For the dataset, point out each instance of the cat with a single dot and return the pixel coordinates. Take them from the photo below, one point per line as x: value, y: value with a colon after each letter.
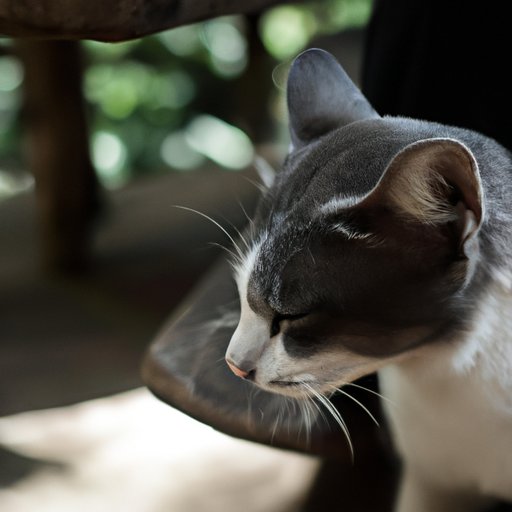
x: 385, y: 245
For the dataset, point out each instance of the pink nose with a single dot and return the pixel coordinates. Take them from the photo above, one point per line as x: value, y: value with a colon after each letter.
x: 237, y: 371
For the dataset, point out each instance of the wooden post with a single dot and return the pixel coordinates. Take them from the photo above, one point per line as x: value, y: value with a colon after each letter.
x: 58, y: 152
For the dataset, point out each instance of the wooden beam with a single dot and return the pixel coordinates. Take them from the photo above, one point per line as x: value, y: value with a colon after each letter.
x: 112, y: 20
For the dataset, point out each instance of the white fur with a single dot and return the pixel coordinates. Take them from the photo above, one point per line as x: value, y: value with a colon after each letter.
x: 453, y: 424
x: 251, y: 334
x: 244, y: 269
x: 339, y: 203
x: 349, y: 233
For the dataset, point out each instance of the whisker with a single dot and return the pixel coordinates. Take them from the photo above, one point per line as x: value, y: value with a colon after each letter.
x: 276, y: 422
x: 259, y: 186
x: 348, y: 395
x: 287, y: 414
x: 232, y: 240
x: 335, y: 414
x: 305, y: 410
x: 389, y: 401
x: 297, y: 404
x: 241, y: 236
x: 312, y: 403
x: 246, y: 215
x: 310, y: 419
x: 226, y: 249
x: 235, y: 263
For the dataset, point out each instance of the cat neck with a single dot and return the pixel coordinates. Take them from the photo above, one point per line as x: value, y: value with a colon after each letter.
x: 481, y: 356
x: 450, y: 407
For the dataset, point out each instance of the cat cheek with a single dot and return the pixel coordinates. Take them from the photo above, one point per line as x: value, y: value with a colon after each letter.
x: 275, y: 363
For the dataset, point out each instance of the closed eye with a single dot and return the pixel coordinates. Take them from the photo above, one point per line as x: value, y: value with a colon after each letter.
x: 278, y: 319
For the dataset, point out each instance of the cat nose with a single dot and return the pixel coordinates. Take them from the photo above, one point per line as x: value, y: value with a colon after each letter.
x: 244, y: 373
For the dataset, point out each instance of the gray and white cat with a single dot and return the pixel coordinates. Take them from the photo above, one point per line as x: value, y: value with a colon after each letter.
x: 385, y: 244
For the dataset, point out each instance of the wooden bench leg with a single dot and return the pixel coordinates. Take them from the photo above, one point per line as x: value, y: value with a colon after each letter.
x: 58, y: 151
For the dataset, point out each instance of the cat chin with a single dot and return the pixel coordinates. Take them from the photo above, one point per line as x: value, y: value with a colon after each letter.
x: 298, y: 390
x: 307, y: 388
x: 291, y: 388
x: 302, y: 390
x: 296, y: 386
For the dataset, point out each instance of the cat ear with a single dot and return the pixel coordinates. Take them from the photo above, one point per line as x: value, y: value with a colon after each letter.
x: 322, y: 97
x: 435, y: 181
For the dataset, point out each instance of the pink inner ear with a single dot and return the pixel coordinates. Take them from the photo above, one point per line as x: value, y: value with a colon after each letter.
x: 470, y: 224
x: 469, y: 230
x: 460, y: 168
x: 417, y: 183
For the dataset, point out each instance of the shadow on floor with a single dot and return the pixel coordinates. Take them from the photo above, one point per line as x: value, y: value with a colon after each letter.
x: 63, y: 340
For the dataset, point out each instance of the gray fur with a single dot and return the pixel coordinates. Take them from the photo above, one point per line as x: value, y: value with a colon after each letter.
x: 314, y: 108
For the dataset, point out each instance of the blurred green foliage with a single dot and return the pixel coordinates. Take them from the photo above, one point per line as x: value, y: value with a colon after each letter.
x: 159, y: 103
x: 287, y: 29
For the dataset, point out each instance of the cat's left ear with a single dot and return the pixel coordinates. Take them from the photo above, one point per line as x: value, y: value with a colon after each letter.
x: 435, y: 181
x: 321, y: 97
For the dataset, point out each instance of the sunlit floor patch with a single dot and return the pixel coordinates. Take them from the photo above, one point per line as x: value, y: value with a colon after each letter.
x: 133, y: 453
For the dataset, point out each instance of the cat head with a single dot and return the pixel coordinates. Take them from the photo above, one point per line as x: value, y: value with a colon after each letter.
x: 364, y: 245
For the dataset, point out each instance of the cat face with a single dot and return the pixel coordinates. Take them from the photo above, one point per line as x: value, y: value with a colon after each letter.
x: 363, y: 246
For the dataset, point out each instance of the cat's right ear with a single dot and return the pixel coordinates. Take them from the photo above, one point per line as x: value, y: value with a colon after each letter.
x: 435, y: 182
x: 321, y: 97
